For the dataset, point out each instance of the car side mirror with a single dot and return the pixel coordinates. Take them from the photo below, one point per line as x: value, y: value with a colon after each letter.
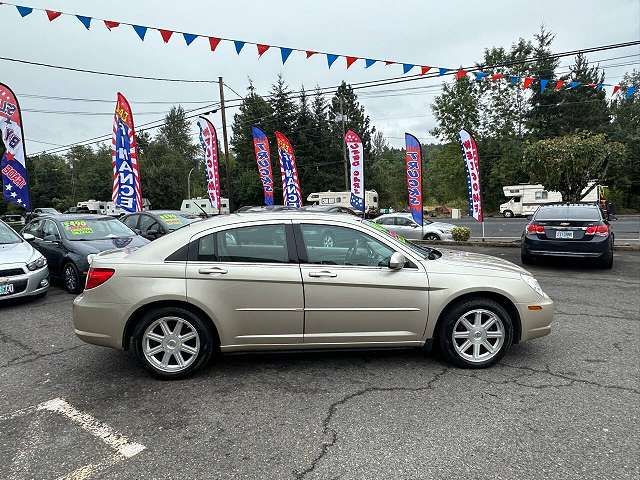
x: 28, y: 237
x: 397, y: 261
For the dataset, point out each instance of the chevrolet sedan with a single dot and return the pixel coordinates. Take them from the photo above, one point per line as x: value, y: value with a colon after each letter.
x: 251, y: 282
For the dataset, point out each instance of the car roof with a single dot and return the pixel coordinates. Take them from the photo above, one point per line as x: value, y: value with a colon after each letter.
x: 567, y: 204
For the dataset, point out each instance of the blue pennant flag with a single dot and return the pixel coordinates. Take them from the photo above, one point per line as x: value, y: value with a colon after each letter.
x: 599, y: 86
x: 331, y: 58
x: 514, y: 79
x: 406, y: 67
x: 480, y: 75
x: 630, y: 92
x: 86, y: 21
x: 238, y: 45
x: 189, y: 38
x: 574, y: 84
x: 442, y: 71
x: 141, y: 31
x: 368, y: 62
x: 24, y: 11
x: 543, y: 85
x: 284, y: 53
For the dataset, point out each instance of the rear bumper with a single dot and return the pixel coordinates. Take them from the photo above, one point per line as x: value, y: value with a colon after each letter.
x: 535, y: 323
x: 99, y: 323
x: 29, y: 284
x: 592, y: 248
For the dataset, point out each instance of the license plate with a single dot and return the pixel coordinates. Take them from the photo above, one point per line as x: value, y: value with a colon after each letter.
x: 6, y: 289
x: 564, y: 234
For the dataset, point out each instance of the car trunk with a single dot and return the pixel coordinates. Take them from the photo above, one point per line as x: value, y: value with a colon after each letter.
x: 565, y: 229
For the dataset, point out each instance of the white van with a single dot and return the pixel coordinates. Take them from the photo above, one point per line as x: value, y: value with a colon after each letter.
x: 199, y: 205
x: 524, y: 199
x: 343, y: 199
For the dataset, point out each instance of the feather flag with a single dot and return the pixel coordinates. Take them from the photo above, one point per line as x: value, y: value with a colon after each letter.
x: 472, y: 166
x: 209, y: 142
x: 127, y: 190
x: 413, y: 164
x: 356, y: 161
x: 291, y: 192
x: 263, y: 160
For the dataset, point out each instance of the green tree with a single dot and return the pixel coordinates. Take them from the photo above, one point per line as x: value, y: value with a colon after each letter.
x: 567, y: 164
x: 456, y: 108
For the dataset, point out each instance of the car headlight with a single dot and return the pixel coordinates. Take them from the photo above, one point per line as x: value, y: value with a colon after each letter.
x: 533, y: 283
x: 38, y: 263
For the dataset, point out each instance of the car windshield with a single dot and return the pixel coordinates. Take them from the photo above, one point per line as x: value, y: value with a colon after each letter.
x: 95, y: 229
x: 174, y: 221
x: 8, y: 235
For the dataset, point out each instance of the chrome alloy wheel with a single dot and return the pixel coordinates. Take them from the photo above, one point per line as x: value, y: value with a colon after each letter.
x: 478, y: 335
x: 171, y: 344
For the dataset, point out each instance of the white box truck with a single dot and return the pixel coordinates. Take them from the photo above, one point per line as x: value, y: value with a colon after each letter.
x: 342, y: 199
x: 199, y: 205
x: 524, y: 199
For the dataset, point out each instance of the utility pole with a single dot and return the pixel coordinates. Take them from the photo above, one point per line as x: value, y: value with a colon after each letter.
x: 226, y: 141
x: 344, y: 149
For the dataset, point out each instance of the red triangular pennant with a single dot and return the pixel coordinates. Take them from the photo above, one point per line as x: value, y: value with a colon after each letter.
x: 350, y: 60
x: 166, y: 35
x: 616, y: 89
x: 389, y: 62
x: 559, y: 84
x: 262, y: 48
x: 460, y: 74
x: 497, y: 76
x: 424, y: 69
x: 52, y: 15
x: 310, y: 53
x: 213, y: 42
x: 109, y: 24
x: 527, y: 82
x: 592, y: 85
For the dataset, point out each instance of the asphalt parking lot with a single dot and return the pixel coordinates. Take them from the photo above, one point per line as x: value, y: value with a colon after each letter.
x: 564, y: 406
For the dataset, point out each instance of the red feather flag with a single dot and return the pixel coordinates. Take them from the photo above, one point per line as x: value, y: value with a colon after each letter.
x: 52, y: 15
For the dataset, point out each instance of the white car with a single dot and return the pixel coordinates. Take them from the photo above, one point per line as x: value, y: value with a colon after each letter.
x: 404, y: 224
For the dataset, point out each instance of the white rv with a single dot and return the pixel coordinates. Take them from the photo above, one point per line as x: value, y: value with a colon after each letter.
x: 525, y: 199
x: 95, y: 206
x: 199, y: 205
x: 342, y: 199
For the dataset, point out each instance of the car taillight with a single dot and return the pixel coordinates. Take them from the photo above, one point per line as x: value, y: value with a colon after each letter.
x: 600, y: 230
x: 535, y: 228
x: 97, y: 276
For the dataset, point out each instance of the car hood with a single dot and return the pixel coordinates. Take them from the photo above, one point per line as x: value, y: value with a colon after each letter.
x: 480, y: 261
x: 16, y: 253
x: 96, y: 246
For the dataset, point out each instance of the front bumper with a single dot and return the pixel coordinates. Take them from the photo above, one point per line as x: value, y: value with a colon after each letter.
x: 29, y: 284
x: 535, y: 318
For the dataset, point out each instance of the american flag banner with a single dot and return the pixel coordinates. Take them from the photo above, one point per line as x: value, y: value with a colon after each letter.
x: 15, y: 183
x: 291, y: 191
x: 209, y: 142
x: 127, y: 191
x: 472, y: 166
x: 356, y: 160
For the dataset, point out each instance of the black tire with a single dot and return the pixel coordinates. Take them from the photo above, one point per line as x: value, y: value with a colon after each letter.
x: 71, y: 278
x: 527, y: 258
x: 606, y: 261
x: 445, y: 341
x: 431, y: 237
x: 208, y: 341
x: 507, y: 214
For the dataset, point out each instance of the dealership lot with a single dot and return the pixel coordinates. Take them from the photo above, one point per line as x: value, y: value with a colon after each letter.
x: 564, y: 406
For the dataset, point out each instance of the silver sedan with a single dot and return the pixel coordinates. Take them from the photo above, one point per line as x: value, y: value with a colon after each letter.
x: 403, y: 224
x: 249, y: 282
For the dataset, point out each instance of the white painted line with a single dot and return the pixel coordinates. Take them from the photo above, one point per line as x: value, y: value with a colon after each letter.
x: 87, y: 471
x: 98, y: 429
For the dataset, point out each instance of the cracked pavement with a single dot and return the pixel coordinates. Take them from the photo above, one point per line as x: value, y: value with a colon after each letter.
x: 564, y: 406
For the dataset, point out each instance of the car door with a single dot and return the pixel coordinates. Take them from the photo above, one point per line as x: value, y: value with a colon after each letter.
x: 407, y: 228
x: 248, y: 278
x: 50, y: 245
x: 352, y: 296
x: 131, y: 221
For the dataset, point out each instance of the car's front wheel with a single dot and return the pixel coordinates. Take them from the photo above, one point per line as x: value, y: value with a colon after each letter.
x: 432, y: 237
x: 172, y: 342
x: 508, y: 214
x: 475, y: 333
x: 71, y: 278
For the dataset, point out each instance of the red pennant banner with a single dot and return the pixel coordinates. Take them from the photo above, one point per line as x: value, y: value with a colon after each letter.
x: 52, y: 15
x: 166, y: 35
x: 310, y: 53
x: 616, y: 89
x: 460, y: 74
x: 109, y: 24
x: 213, y: 42
x: 559, y: 84
x: 527, y: 82
x: 389, y: 62
x: 424, y: 69
x: 351, y: 60
x: 262, y: 48
x: 497, y: 76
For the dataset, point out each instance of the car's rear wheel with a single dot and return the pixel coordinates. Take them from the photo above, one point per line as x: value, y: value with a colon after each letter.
x: 71, y: 278
x: 527, y: 258
x: 476, y: 333
x: 508, y: 214
x: 606, y: 261
x: 431, y: 237
x: 172, y: 342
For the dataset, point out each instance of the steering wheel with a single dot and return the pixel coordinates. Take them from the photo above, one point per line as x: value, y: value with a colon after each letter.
x: 351, y: 253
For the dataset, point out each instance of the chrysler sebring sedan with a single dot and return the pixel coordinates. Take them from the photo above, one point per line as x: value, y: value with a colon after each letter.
x: 249, y: 282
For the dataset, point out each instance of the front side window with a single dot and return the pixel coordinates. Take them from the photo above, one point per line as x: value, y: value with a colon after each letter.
x: 131, y: 221
x: 404, y: 222
x: 34, y: 229
x: 346, y: 247
x: 50, y: 231
x: 385, y: 221
x: 259, y: 244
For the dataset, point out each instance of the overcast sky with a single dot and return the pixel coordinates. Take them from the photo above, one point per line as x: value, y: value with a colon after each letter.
x: 439, y: 33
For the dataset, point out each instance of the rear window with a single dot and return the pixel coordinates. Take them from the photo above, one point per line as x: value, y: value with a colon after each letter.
x: 569, y: 213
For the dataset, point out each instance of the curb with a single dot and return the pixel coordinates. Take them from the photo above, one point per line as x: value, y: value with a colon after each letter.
x: 512, y: 244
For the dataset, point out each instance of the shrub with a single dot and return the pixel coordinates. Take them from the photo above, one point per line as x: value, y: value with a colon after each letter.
x: 461, y: 234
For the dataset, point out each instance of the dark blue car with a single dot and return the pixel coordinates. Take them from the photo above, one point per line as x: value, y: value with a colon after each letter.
x: 568, y: 230
x: 67, y: 241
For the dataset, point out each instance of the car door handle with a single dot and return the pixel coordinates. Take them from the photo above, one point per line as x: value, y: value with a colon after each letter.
x: 212, y: 271
x: 323, y: 273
